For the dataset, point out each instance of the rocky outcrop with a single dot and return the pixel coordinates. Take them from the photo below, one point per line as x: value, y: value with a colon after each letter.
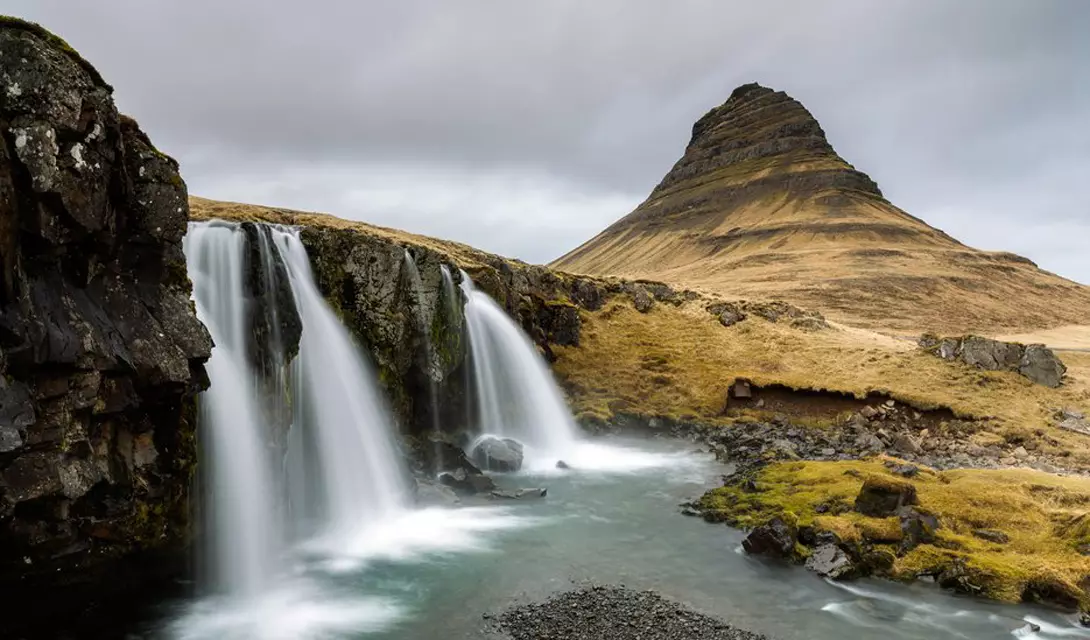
x: 496, y: 454
x: 1036, y: 361
x: 100, y: 349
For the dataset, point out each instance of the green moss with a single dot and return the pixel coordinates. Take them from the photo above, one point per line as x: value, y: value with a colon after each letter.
x: 1043, y: 515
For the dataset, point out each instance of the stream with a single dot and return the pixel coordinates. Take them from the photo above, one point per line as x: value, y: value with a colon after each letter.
x: 436, y: 573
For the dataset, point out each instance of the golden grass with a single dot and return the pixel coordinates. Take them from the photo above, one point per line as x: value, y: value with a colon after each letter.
x: 865, y: 263
x: 1045, y: 517
x: 679, y: 362
x: 205, y: 209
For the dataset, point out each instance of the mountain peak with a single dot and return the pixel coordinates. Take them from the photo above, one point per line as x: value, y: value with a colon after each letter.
x: 759, y: 131
x: 760, y: 205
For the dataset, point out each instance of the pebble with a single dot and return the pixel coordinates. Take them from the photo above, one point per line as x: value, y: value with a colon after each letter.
x: 614, y: 613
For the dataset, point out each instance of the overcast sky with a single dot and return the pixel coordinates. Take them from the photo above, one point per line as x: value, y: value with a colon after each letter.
x: 526, y: 127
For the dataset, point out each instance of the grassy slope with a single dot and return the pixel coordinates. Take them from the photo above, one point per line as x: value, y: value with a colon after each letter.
x: 1043, y: 515
x: 626, y: 363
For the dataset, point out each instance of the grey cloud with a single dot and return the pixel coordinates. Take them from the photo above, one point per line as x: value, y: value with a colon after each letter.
x: 944, y: 104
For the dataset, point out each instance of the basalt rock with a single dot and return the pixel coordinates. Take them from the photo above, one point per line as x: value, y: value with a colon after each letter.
x: 775, y: 538
x: 496, y: 454
x: 101, y: 353
x: 1036, y: 361
x: 882, y: 497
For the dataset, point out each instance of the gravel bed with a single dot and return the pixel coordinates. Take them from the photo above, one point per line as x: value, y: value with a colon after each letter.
x: 613, y: 613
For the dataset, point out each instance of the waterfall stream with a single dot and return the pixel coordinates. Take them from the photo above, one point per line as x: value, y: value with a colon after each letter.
x: 516, y: 395
x: 239, y: 510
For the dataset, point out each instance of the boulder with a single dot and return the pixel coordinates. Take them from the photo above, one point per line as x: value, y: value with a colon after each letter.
x: 642, y: 300
x: 830, y: 561
x: 775, y: 538
x: 1040, y: 364
x: 1036, y: 361
x: 917, y: 527
x: 498, y: 454
x: 906, y: 444
x: 882, y: 497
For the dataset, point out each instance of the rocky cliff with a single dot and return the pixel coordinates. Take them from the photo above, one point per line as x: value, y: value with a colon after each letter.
x: 100, y: 350
x: 761, y: 206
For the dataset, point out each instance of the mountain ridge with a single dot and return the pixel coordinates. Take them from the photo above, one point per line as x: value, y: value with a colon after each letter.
x: 761, y: 205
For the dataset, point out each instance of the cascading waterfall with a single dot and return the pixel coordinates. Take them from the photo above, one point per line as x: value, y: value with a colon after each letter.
x: 239, y: 512
x: 516, y: 394
x: 337, y: 404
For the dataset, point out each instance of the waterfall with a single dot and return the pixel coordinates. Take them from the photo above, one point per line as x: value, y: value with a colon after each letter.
x: 339, y: 407
x: 239, y: 513
x: 516, y: 394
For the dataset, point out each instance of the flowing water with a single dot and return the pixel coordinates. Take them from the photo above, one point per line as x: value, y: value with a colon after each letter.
x: 381, y: 570
x: 516, y: 394
x: 424, y: 327
x: 239, y: 506
x: 362, y: 483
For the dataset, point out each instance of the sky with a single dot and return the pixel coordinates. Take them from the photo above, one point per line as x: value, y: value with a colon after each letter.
x: 524, y: 128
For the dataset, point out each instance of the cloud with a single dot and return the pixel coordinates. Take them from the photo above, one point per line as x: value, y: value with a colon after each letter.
x: 507, y: 107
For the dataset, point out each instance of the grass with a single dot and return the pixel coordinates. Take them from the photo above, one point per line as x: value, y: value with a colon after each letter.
x: 1044, y: 516
x: 679, y: 362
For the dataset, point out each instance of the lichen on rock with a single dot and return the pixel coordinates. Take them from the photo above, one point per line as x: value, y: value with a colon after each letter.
x: 101, y: 353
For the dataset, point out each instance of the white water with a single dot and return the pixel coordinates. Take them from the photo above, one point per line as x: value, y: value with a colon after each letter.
x: 362, y: 482
x: 240, y: 517
x: 516, y: 394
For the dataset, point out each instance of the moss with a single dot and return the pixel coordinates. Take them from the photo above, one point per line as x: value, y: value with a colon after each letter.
x: 11, y: 22
x: 1043, y: 515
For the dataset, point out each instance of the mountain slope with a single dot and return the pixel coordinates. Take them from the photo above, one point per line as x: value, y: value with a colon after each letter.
x: 760, y: 205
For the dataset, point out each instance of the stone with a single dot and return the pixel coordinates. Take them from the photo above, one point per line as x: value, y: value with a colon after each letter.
x: 741, y: 389
x: 560, y: 464
x: 775, y: 538
x: 828, y: 452
x: 642, y: 300
x: 882, y: 497
x: 520, y: 494
x: 1040, y: 364
x: 1020, y: 453
x: 917, y: 527
x: 496, y: 454
x: 904, y: 470
x: 991, y: 535
x: 830, y: 561
x: 906, y: 444
x: 868, y: 412
x: 467, y: 483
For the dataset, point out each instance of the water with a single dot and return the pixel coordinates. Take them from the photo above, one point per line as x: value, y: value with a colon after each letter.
x: 432, y: 573
x: 361, y: 479
x: 516, y: 394
x: 239, y: 510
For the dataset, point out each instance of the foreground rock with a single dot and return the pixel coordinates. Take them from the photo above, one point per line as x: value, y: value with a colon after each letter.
x: 496, y: 454
x: 1036, y: 361
x: 101, y: 353
x: 614, y: 613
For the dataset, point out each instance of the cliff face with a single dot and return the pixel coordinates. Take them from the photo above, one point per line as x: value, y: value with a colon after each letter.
x: 100, y: 350
x: 761, y: 206
x: 413, y: 328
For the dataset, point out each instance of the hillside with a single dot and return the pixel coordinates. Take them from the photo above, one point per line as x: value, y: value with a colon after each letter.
x: 761, y: 206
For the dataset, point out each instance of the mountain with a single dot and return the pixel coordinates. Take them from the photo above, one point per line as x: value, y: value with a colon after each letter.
x: 761, y: 206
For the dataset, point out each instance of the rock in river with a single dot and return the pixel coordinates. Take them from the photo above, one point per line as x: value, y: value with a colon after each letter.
x: 829, y: 561
x: 496, y: 454
x: 774, y: 538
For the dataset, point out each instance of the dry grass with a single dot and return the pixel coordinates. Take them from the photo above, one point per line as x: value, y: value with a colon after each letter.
x: 863, y: 262
x: 205, y: 209
x: 679, y: 362
x: 1045, y: 517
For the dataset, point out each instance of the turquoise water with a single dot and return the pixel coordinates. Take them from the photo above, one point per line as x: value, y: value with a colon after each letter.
x: 434, y: 573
